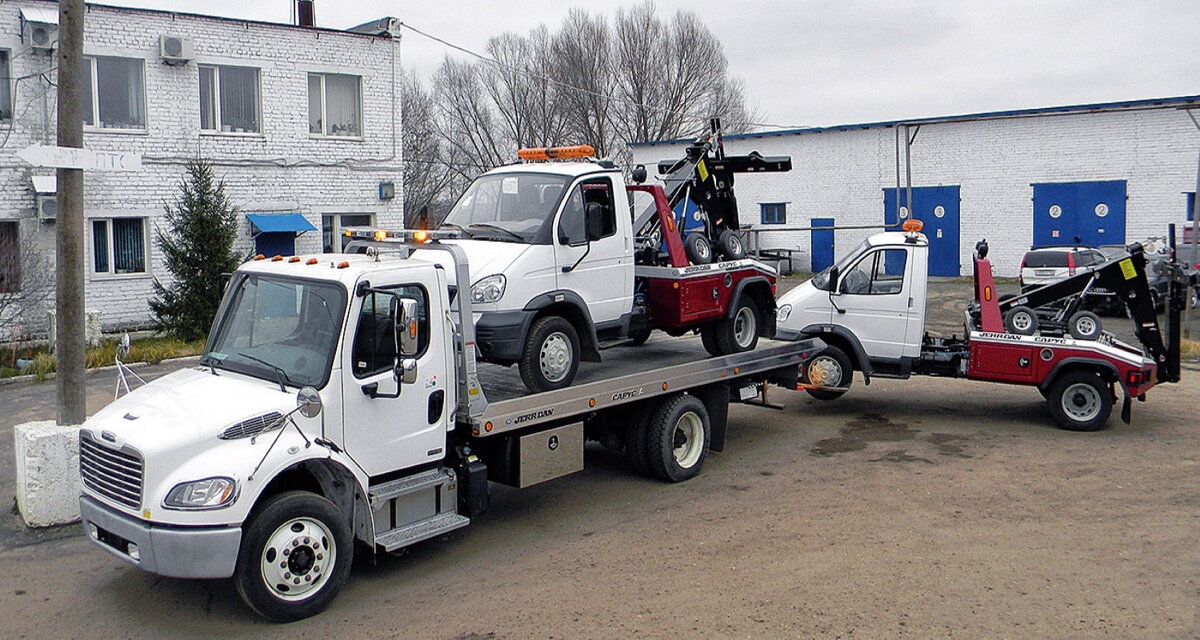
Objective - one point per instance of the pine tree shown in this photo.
(197, 248)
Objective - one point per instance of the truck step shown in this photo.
(423, 530)
(403, 486)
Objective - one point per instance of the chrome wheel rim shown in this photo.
(555, 357)
(297, 558)
(1081, 402)
(1085, 326)
(688, 440)
(745, 327)
(1022, 321)
(825, 371)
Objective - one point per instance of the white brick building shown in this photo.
(296, 120)
(1108, 174)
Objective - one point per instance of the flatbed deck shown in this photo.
(627, 374)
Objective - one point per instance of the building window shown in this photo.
(114, 93)
(10, 257)
(119, 246)
(334, 105)
(774, 212)
(331, 229)
(1191, 204)
(6, 104)
(229, 99)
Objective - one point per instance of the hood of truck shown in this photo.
(185, 407)
(484, 258)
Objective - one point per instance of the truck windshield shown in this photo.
(268, 323)
(821, 280)
(510, 207)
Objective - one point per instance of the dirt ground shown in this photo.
(922, 508)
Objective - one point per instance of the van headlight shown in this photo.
(489, 289)
(782, 313)
(199, 495)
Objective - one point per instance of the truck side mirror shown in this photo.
(594, 221)
(404, 310)
(833, 279)
(404, 371)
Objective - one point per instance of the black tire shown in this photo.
(678, 437)
(697, 248)
(731, 245)
(1084, 325)
(550, 358)
(1080, 401)
(740, 333)
(1021, 320)
(639, 338)
(314, 532)
(637, 439)
(833, 369)
(708, 337)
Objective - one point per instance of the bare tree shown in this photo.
(26, 285)
(426, 176)
(582, 64)
(469, 125)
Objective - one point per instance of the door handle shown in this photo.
(436, 400)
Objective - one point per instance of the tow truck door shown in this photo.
(876, 295)
(385, 434)
(600, 271)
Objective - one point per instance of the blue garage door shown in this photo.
(822, 244)
(937, 208)
(1084, 213)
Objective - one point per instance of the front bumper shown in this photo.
(500, 335)
(176, 552)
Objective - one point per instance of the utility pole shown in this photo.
(68, 295)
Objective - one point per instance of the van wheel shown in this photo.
(550, 358)
(1084, 325)
(740, 333)
(295, 556)
(678, 437)
(731, 245)
(829, 368)
(1021, 320)
(639, 338)
(1080, 401)
(697, 248)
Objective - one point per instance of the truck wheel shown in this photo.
(678, 438)
(551, 355)
(698, 251)
(829, 368)
(1084, 325)
(1021, 320)
(295, 556)
(636, 440)
(639, 338)
(1080, 401)
(739, 333)
(731, 245)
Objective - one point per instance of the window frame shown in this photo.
(424, 330)
(17, 252)
(762, 210)
(216, 97)
(605, 184)
(339, 239)
(877, 258)
(362, 125)
(90, 67)
(7, 79)
(110, 256)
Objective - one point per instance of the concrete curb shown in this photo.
(47, 465)
(131, 365)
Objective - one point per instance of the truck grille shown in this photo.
(114, 474)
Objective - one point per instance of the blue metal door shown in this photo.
(937, 209)
(822, 244)
(276, 244)
(1079, 213)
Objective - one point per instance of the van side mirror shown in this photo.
(404, 310)
(594, 221)
(833, 278)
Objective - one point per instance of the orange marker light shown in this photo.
(664, 386)
(277, 258)
(487, 427)
(556, 153)
(260, 257)
(294, 259)
(381, 236)
(591, 402)
(421, 236)
(912, 225)
(987, 294)
(343, 265)
(311, 261)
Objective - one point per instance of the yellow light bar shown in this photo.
(557, 153)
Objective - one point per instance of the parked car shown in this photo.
(1045, 265)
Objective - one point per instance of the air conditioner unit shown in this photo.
(175, 50)
(47, 207)
(41, 36)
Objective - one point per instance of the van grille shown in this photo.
(114, 474)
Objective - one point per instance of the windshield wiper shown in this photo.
(207, 359)
(516, 236)
(281, 376)
(456, 228)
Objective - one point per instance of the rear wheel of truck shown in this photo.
(697, 248)
(295, 556)
(731, 245)
(829, 368)
(678, 437)
(550, 359)
(1080, 401)
(739, 333)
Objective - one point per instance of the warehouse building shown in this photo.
(1085, 174)
(301, 122)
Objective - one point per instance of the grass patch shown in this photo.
(152, 350)
(1189, 349)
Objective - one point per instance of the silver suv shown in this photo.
(1051, 264)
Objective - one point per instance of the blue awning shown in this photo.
(279, 222)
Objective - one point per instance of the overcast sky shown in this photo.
(825, 62)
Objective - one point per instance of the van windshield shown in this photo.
(511, 207)
(268, 323)
(821, 280)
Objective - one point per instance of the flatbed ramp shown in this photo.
(628, 374)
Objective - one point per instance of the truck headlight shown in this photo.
(199, 495)
(489, 289)
(782, 313)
